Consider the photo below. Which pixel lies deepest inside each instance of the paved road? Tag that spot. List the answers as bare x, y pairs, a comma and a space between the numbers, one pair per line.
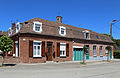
72, 70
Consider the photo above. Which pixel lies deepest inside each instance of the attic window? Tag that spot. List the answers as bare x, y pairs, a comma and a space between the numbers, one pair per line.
86, 34
18, 26
10, 31
62, 30
105, 38
37, 26
98, 37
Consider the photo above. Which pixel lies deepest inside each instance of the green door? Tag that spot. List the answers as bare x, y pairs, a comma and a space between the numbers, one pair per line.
87, 54
78, 54
110, 54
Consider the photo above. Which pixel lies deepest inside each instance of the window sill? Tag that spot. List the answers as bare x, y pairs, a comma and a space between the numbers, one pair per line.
63, 56
38, 31
37, 56
101, 55
94, 55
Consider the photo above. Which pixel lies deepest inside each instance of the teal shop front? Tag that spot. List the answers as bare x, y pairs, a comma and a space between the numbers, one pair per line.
78, 54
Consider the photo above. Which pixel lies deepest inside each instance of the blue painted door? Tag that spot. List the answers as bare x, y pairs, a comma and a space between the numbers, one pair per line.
87, 54
78, 54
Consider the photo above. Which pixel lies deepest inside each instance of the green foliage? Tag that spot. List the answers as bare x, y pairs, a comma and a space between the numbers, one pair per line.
116, 41
108, 48
116, 50
85, 48
117, 54
6, 44
83, 63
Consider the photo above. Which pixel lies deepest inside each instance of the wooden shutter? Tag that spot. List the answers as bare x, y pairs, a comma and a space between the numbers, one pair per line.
58, 49
43, 49
30, 48
67, 50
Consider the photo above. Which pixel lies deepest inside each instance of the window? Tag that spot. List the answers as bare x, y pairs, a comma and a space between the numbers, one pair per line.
94, 50
104, 38
98, 37
10, 31
37, 26
62, 30
37, 49
62, 49
86, 34
100, 51
18, 26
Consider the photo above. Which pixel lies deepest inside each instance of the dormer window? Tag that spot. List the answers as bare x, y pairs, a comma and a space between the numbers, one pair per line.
10, 31
62, 30
105, 38
86, 34
37, 26
18, 26
98, 37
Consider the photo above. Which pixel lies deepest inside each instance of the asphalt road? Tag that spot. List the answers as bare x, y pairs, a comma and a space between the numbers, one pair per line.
72, 70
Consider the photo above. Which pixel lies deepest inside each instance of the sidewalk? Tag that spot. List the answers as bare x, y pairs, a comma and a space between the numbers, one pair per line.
88, 62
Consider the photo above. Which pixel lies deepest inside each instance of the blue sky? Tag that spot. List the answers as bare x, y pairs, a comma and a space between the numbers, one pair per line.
95, 15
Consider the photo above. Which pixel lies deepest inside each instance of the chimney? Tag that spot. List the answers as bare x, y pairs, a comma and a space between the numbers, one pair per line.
59, 19
13, 25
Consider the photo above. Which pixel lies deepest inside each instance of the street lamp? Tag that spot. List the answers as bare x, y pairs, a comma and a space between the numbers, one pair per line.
111, 28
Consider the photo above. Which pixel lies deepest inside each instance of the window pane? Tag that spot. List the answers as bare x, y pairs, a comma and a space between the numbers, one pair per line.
37, 27
38, 52
34, 50
62, 31
60, 52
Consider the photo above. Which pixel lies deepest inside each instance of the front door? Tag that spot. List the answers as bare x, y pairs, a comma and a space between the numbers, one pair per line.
87, 53
49, 53
110, 54
78, 54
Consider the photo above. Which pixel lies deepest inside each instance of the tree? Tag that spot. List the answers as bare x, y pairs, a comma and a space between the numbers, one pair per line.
85, 50
108, 48
6, 45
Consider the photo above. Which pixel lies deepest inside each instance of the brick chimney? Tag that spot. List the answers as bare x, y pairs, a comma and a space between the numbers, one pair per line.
13, 25
59, 19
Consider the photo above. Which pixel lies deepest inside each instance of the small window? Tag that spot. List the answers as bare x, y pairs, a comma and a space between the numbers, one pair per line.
37, 26
105, 38
94, 50
18, 26
10, 31
62, 30
37, 49
98, 37
86, 34
101, 51
62, 49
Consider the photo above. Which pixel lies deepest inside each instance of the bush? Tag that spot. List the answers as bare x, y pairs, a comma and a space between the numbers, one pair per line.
117, 54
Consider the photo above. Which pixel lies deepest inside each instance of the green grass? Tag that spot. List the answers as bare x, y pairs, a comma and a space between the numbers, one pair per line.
83, 63
116, 50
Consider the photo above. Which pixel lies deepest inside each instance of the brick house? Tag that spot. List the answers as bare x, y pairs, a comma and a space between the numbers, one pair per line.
39, 40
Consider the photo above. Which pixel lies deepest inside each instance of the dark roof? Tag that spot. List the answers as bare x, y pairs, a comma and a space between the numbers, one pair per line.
51, 28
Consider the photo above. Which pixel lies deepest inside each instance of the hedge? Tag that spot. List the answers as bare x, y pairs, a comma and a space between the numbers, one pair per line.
117, 54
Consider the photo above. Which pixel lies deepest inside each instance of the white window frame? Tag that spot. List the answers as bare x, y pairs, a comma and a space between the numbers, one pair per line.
18, 25
60, 30
40, 26
37, 49
94, 51
101, 50
85, 33
10, 31
62, 49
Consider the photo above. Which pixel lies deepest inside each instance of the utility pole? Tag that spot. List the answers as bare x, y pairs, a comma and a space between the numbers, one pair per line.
111, 28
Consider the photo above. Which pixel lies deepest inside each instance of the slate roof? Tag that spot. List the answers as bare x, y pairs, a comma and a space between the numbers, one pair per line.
51, 28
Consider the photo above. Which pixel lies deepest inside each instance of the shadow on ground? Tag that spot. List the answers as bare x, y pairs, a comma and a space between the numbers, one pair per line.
9, 64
